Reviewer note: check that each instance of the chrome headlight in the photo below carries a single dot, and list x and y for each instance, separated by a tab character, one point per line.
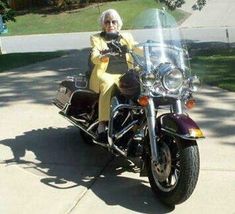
148	79
194	83
173	79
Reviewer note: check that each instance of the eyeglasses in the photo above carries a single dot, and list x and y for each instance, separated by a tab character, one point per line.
114	22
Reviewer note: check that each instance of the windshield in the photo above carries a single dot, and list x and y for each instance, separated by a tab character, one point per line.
158	34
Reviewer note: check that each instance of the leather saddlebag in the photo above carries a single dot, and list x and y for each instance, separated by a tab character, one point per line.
73	95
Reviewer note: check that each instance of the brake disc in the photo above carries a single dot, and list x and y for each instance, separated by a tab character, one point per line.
162	170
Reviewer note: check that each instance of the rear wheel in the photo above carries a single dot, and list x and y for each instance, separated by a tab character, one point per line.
174	179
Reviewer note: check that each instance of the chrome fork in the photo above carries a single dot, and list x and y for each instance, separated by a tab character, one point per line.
151	122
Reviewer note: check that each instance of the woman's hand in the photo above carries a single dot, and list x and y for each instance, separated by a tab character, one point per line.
104	55
104	58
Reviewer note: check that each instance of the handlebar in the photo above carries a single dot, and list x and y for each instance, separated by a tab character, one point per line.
115	48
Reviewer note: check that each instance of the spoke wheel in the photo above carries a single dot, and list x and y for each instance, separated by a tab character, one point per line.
165	177
174	178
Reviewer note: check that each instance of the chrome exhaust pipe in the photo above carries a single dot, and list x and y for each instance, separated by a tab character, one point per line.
125	130
83	128
78	125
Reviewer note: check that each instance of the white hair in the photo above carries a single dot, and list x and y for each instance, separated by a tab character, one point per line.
113	13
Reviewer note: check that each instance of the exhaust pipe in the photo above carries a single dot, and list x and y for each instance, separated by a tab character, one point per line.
83	128
78	125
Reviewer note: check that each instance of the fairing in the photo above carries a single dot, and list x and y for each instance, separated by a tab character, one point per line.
160	38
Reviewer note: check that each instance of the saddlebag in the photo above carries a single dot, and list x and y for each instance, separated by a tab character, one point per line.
74	97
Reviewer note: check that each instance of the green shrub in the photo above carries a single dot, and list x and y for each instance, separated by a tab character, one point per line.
6	12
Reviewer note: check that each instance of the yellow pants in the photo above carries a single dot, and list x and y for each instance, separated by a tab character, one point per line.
103	84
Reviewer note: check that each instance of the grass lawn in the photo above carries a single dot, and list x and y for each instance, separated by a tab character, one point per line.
10	61
216	68
86	19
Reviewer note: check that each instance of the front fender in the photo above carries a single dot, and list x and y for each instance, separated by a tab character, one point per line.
179	125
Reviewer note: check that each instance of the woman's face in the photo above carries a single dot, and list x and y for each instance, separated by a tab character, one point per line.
110	24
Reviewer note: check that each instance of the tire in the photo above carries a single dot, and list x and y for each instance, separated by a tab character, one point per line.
184	168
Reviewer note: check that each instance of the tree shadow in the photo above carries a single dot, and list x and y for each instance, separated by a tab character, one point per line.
218	116
216	106
38	83
227	144
56	153
132	193
60	160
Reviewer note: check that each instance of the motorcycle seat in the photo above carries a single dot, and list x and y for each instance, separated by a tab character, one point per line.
86	92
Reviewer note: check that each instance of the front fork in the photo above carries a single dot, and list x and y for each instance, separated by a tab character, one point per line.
153	129
151	122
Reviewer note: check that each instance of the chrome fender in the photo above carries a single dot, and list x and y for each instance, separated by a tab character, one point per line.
179	125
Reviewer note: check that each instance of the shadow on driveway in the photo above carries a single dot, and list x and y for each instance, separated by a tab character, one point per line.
61	160
37	83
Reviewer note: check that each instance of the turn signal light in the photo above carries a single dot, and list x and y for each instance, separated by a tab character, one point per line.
196	133
190	103
143	101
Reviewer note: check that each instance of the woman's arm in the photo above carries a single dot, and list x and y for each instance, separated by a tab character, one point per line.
96	52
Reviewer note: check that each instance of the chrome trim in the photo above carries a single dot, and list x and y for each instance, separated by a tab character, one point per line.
129	114
78	120
151	121
125	130
83	128
113	112
186	137
92	125
101	144
147	57
120	151
178	107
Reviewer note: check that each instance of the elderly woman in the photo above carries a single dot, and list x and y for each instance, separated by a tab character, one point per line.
107	69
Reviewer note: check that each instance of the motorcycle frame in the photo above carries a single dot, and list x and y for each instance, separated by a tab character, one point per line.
115	108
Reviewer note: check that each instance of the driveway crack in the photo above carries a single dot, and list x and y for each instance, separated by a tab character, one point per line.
89	187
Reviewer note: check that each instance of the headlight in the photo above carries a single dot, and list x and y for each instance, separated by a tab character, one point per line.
173	79
194	83
148	79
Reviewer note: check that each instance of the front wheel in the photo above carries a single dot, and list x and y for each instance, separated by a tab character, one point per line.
175	177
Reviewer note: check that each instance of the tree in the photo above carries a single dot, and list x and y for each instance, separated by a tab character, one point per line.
6	12
173	4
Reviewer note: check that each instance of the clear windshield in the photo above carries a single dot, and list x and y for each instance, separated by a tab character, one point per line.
159	36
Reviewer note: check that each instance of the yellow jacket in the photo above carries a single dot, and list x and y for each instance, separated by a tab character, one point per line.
99	44
100	81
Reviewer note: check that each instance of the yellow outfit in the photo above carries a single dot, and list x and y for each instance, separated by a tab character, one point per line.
100	81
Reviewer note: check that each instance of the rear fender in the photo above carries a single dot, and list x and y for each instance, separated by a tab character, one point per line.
179	125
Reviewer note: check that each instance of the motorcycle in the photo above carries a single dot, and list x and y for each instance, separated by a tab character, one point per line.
148	110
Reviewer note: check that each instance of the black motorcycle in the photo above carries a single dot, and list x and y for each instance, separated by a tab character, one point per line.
148	108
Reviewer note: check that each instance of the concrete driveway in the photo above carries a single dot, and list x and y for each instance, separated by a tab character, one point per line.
45	167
